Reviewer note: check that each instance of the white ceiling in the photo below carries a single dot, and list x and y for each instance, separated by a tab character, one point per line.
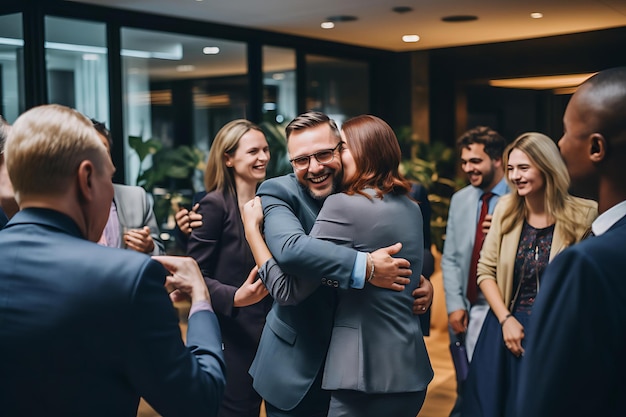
380	27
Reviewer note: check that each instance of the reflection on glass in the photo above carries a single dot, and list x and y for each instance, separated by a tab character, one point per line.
179	90
337	87
76	66
11	66
279	85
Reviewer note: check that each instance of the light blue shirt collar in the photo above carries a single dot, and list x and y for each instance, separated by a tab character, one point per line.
607	219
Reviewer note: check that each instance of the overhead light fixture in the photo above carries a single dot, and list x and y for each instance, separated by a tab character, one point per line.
536	15
460	18
278	76
211	50
327	25
185	68
341	18
402	9
410	38
90	57
550	82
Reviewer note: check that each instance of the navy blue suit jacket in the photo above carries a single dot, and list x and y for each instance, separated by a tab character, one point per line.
87	330
575	361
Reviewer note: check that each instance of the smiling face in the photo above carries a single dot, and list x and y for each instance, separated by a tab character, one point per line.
249	161
481	170
320	179
524	174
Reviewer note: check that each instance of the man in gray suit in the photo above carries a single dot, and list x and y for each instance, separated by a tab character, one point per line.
131	224
289	362
481	151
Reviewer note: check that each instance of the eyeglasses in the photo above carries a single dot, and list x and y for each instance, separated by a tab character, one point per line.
322	157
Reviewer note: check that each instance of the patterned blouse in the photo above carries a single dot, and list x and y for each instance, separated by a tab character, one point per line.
533	254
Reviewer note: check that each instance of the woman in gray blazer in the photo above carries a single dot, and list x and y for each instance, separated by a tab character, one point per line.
377	363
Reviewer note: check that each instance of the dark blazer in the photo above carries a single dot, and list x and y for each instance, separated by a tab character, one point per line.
420	195
295	338
86	330
373	320
222	252
575	361
3	218
134	210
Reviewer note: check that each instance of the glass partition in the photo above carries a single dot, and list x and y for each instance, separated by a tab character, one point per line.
76	66
337	87
178	91
279	85
11	66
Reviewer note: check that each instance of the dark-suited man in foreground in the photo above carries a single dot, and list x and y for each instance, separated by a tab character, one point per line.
575	362
85	330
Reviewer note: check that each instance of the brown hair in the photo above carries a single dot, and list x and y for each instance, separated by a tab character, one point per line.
377	155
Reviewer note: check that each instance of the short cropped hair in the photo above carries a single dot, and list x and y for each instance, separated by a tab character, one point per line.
311	119
493	141
46	146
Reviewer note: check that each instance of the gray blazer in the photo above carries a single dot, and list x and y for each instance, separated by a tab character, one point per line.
457	249
134	210
295	339
370	323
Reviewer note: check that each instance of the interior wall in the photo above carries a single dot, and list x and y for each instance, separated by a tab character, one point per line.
461	74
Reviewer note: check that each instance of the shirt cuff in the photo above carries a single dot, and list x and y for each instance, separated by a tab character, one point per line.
357	280
203	305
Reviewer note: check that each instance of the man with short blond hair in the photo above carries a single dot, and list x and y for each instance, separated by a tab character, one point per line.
87	330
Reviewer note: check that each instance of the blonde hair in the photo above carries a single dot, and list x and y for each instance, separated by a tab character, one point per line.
217	175
46	146
544	154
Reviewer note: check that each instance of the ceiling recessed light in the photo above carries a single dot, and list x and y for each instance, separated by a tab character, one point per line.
410	38
459	18
402	9
327	25
341	18
536	15
210	50
185	68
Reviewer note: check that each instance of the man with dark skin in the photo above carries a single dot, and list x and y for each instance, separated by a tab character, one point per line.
574	364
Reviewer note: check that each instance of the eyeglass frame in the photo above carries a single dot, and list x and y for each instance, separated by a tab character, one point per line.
315	155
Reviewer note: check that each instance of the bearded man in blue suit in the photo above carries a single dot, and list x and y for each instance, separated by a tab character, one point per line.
86	330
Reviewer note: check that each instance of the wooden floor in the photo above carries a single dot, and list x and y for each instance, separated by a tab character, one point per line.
442	390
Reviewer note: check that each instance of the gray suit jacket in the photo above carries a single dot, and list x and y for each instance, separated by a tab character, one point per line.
295	338
457	249
134	210
370	322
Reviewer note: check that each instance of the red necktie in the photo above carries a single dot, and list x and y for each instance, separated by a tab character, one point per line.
472	287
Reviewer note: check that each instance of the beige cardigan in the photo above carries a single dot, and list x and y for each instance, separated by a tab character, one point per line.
497	257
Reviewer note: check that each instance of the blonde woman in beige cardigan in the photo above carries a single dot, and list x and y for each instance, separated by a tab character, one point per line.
529	228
